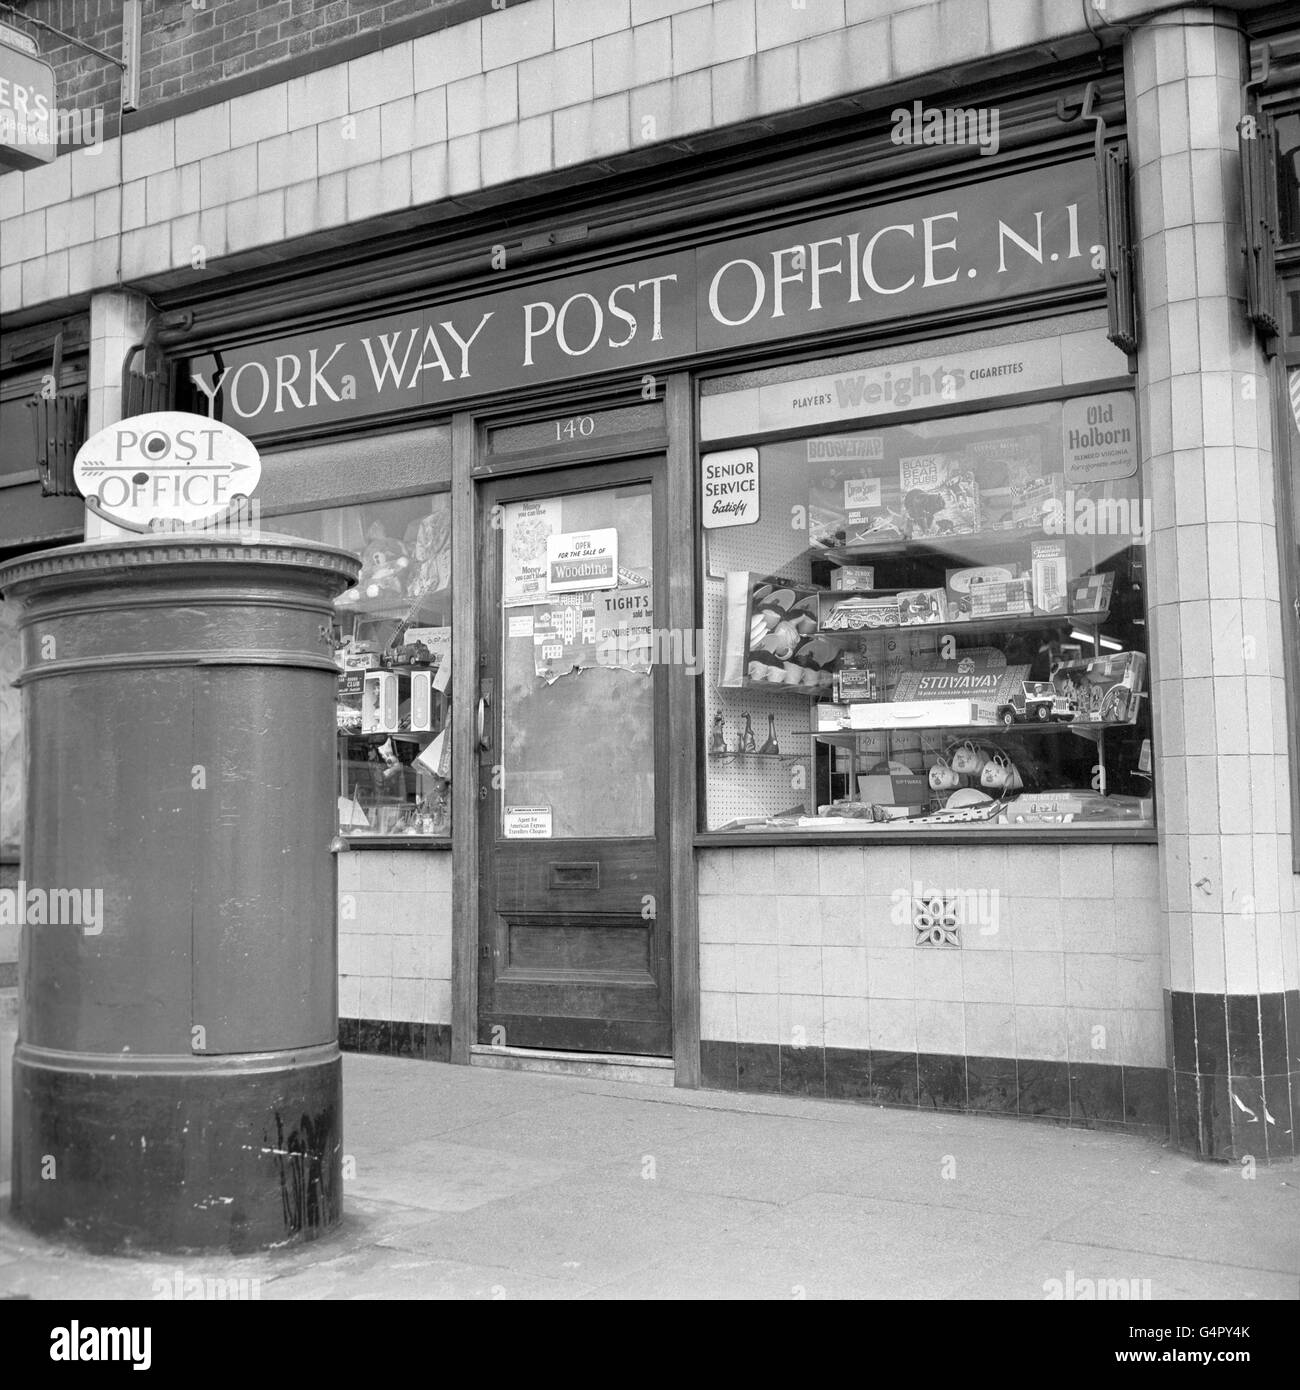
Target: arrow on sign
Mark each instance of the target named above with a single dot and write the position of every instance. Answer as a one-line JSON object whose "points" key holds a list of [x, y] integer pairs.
{"points": [[166, 467]]}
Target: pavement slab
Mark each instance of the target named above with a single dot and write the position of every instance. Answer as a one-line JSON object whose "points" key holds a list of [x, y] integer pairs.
{"points": [[476, 1183]]}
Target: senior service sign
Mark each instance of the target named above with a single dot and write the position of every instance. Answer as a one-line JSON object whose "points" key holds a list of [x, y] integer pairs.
{"points": [[167, 471]]}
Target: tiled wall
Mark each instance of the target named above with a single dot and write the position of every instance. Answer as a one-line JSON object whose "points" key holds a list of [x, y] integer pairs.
{"points": [[543, 85], [1215, 604], [395, 935], [800, 947], [186, 45]]}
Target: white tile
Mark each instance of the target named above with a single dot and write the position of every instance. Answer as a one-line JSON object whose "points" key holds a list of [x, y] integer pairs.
{"points": [[757, 1018], [202, 133], [448, 54], [800, 1018], [915, 35], [48, 184], [781, 22], [430, 117], [630, 58], [258, 115], [488, 99], [577, 20], [348, 142], [520, 32], [516, 151], [382, 76], [756, 968], [718, 968], [94, 168], [147, 150], [718, 34], [464, 171], [844, 971], [940, 1027], [317, 97], [397, 127], [718, 1017], [667, 110]]}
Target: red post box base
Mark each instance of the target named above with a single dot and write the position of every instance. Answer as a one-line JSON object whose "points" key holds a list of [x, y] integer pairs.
{"points": [[178, 1155]]}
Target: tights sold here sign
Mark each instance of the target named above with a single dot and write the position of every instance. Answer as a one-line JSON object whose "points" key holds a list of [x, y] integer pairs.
{"points": [[995, 240]]}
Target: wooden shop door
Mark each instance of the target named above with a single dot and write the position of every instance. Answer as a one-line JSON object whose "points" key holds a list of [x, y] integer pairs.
{"points": [[573, 927]]}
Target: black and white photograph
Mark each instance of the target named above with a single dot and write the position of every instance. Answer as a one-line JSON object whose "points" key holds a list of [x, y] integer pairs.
{"points": [[649, 651]]}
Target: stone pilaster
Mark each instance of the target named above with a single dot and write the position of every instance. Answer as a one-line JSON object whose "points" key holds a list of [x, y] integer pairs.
{"points": [[117, 322], [1227, 889]]}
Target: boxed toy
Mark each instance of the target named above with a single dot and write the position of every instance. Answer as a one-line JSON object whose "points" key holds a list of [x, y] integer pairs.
{"points": [[972, 677], [769, 627], [379, 702], [1049, 568], [919, 606], [1092, 593], [940, 495], [1106, 688], [999, 598], [893, 784], [854, 511], [959, 583], [857, 612], [853, 577], [921, 714]]}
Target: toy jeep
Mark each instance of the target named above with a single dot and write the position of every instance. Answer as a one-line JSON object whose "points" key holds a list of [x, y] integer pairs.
{"points": [[1038, 701]]}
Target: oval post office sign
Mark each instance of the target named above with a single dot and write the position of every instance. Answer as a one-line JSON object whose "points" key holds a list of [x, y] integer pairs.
{"points": [[166, 471]]}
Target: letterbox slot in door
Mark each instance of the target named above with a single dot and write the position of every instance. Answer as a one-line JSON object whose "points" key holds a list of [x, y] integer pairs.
{"points": [[574, 874]]}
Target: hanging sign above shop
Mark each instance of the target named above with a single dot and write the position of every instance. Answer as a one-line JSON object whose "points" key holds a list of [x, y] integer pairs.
{"points": [[1000, 239], [166, 471], [27, 135]]}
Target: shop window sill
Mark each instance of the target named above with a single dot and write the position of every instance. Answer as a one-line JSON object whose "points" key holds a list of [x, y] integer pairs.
{"points": [[341, 845], [1038, 835]]}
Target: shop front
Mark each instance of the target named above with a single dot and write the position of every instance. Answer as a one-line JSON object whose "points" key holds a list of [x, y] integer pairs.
{"points": [[750, 681]]}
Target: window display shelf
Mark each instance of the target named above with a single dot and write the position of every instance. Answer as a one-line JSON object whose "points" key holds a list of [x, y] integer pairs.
{"points": [[1017, 726], [731, 756], [983, 543], [1010, 622]]}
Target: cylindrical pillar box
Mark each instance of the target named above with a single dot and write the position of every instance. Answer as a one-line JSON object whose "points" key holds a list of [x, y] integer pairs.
{"points": [[177, 1080]]}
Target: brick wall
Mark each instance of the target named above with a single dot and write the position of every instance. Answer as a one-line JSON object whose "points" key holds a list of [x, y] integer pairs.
{"points": [[187, 45], [542, 87]]}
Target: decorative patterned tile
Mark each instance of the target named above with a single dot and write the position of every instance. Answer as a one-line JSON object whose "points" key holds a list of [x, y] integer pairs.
{"points": [[937, 919]]}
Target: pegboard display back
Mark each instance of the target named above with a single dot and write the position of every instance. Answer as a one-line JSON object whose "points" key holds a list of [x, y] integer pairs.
{"points": [[740, 787]]}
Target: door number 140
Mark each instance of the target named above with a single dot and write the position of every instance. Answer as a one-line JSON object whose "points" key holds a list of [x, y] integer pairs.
{"points": [[578, 427]]}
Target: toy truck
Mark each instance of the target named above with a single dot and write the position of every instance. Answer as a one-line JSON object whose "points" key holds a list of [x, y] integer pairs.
{"points": [[1037, 702]]}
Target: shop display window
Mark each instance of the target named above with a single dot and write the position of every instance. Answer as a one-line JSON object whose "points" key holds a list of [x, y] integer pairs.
{"points": [[393, 645], [931, 626]]}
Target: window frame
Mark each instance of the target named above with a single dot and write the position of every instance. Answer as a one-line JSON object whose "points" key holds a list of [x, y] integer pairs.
{"points": [[925, 344], [344, 843]]}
